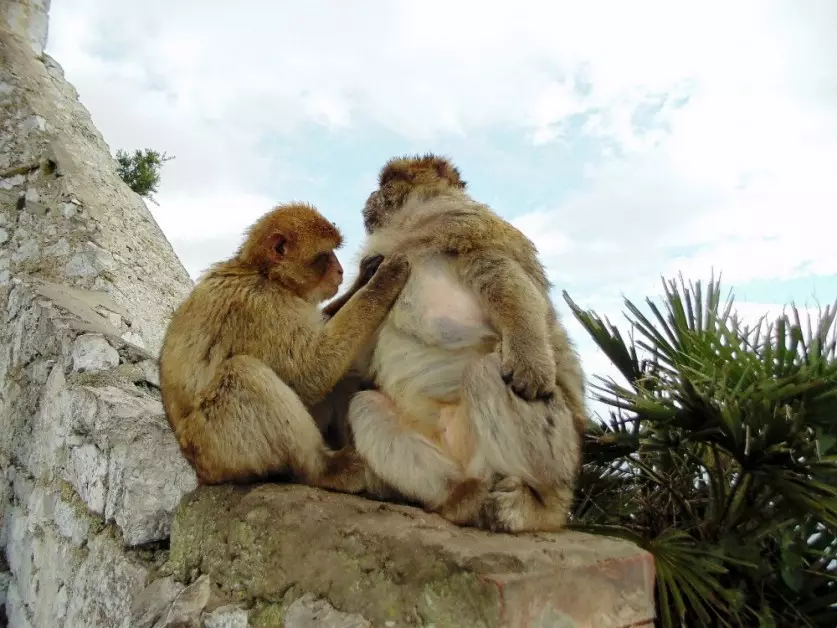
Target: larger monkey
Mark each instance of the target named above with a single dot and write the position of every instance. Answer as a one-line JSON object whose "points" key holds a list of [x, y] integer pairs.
{"points": [[248, 354], [480, 407]]}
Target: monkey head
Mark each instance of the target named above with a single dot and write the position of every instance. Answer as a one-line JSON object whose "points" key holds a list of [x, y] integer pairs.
{"points": [[402, 176], [294, 245]]}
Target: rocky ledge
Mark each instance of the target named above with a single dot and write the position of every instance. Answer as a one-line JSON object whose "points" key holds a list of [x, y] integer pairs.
{"points": [[296, 556]]}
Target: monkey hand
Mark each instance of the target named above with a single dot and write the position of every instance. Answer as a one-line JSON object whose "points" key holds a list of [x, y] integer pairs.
{"points": [[393, 271], [368, 266], [529, 370]]}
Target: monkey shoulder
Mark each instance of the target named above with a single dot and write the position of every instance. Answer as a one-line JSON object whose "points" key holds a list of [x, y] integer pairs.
{"points": [[471, 233]]}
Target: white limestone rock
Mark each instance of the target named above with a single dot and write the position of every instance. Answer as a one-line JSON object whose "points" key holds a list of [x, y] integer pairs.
{"points": [[229, 616], [43, 566], [104, 586], [92, 352], [185, 611], [15, 609], [88, 465], [149, 605], [28, 18], [5, 577], [69, 524], [147, 476], [308, 611]]}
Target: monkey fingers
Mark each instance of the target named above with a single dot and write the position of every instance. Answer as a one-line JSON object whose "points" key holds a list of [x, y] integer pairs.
{"points": [[368, 266], [529, 373]]}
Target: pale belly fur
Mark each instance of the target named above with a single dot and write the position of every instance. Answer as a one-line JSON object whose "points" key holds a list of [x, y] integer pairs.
{"points": [[434, 329]]}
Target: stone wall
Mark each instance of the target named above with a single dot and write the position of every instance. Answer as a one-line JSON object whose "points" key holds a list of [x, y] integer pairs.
{"points": [[90, 474], [89, 469]]}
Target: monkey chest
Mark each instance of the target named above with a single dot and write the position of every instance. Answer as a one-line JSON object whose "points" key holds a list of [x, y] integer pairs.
{"points": [[434, 329], [438, 311]]}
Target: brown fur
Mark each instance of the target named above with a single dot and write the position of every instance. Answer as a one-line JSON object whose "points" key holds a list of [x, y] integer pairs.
{"points": [[248, 354], [474, 316]]}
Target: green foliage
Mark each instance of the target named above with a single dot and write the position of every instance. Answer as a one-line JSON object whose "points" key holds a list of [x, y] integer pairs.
{"points": [[720, 458], [141, 170]]}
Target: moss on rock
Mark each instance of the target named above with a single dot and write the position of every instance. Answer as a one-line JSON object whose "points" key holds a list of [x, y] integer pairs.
{"points": [[265, 545]]}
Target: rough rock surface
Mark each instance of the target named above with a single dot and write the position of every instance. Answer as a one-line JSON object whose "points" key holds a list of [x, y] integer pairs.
{"points": [[229, 616], [89, 469], [277, 548]]}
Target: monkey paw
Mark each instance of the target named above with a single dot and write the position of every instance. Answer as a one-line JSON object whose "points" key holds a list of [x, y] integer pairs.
{"points": [[368, 266], [394, 268], [346, 471], [531, 374], [508, 505], [513, 506]]}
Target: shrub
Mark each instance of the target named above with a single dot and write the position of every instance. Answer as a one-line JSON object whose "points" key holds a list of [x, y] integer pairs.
{"points": [[141, 170], [719, 457]]}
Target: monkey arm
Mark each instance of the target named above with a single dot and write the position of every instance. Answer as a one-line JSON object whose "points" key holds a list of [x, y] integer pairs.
{"points": [[519, 310], [344, 336], [334, 306]]}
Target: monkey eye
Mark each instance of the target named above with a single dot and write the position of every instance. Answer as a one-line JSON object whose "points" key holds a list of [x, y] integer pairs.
{"points": [[321, 261]]}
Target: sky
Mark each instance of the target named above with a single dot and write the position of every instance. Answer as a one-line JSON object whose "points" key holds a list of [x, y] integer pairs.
{"points": [[630, 141]]}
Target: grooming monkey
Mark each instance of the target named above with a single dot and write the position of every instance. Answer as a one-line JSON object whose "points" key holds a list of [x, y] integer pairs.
{"points": [[331, 414], [479, 410], [248, 353]]}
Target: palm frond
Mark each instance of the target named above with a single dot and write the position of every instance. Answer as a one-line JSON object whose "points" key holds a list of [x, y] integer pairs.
{"points": [[719, 457]]}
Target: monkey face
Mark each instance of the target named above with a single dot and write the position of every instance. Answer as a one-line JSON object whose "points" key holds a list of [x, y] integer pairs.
{"points": [[315, 277], [294, 245], [326, 276]]}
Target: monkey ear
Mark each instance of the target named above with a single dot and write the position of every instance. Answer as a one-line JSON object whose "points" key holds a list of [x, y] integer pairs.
{"points": [[279, 243], [445, 170]]}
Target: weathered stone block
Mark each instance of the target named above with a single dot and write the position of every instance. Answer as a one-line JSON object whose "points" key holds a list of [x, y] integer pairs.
{"points": [[92, 352], [103, 586], [309, 611], [30, 18], [88, 465], [229, 617], [147, 476], [388, 563], [185, 611], [148, 605]]}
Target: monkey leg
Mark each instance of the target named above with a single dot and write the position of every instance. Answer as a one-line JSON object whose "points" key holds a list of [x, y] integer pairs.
{"points": [[532, 445], [251, 425], [411, 462]]}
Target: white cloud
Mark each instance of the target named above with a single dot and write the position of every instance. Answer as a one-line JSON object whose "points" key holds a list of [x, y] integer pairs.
{"points": [[742, 179], [732, 169], [420, 69]]}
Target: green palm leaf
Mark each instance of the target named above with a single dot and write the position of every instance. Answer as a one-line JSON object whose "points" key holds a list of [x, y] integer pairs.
{"points": [[719, 457]]}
